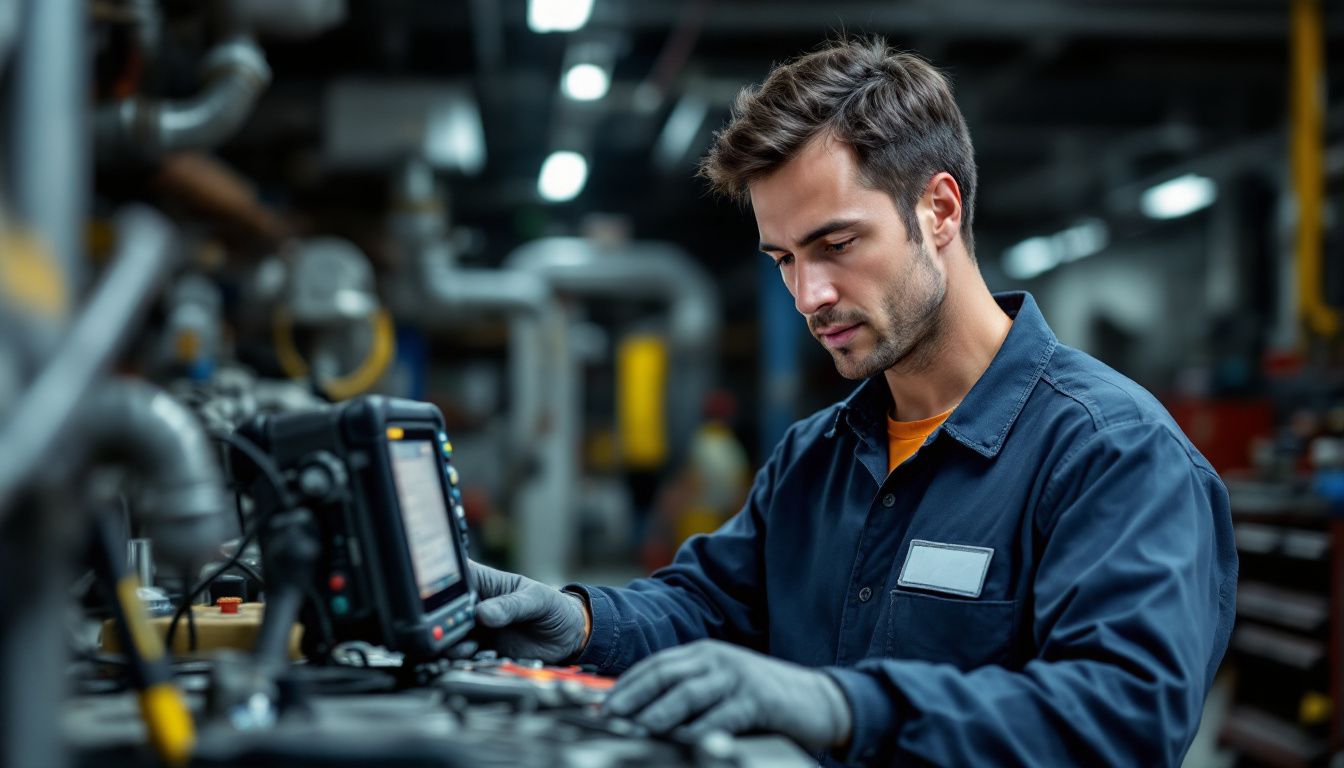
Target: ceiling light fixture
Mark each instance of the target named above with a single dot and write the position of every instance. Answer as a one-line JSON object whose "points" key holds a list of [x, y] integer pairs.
{"points": [[1178, 197], [585, 82], [562, 176], [1038, 255], [558, 15]]}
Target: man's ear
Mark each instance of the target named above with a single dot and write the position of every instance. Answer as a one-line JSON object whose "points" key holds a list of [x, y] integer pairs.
{"points": [[942, 199]]}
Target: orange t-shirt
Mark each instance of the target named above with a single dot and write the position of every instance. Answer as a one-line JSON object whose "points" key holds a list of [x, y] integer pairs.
{"points": [[905, 437]]}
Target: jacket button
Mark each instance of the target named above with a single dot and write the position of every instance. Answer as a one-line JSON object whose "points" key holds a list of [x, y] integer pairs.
{"points": [[889, 500], [864, 594]]}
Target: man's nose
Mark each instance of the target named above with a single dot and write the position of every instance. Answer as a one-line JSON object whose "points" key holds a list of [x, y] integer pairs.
{"points": [[813, 289]]}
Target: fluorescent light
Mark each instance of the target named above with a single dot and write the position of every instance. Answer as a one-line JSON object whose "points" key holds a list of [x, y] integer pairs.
{"points": [[1037, 255], [586, 82], [1082, 239], [562, 176], [1030, 258], [1181, 196], [558, 15]]}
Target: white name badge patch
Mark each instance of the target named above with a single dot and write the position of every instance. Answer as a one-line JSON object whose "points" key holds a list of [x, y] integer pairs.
{"points": [[952, 568]]}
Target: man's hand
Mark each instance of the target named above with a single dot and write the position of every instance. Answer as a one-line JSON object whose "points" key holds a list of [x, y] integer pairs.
{"points": [[526, 619], [710, 685]]}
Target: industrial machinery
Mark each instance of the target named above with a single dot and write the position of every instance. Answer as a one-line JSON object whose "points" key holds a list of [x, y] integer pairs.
{"points": [[363, 540], [192, 376]]}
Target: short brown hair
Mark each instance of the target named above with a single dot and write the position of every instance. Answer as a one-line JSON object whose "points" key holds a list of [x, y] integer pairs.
{"points": [[893, 108]]}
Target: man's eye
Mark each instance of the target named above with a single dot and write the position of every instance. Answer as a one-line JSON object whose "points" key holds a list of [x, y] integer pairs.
{"points": [[841, 246], [784, 261]]}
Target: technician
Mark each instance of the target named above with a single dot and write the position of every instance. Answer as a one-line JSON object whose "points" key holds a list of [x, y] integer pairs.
{"points": [[996, 550]]}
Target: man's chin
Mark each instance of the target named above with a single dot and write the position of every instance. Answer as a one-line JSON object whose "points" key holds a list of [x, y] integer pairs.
{"points": [[851, 366]]}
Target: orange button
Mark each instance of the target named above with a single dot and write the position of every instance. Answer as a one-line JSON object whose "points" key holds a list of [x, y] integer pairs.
{"points": [[229, 604], [336, 581], [437, 632]]}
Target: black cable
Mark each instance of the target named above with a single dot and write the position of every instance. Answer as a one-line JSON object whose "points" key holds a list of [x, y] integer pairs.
{"points": [[238, 504], [190, 597], [323, 620], [277, 483], [261, 461]]}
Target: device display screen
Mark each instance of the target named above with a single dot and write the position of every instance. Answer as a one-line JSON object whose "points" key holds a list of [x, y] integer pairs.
{"points": [[429, 534]]}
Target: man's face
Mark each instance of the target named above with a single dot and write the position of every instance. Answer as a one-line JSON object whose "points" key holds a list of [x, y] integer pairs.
{"points": [[870, 295]]}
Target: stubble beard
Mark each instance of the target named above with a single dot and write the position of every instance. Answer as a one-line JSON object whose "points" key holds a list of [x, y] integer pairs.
{"points": [[913, 311]]}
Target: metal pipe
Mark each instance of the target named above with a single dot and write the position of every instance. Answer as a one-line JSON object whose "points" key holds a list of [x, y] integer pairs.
{"points": [[46, 410], [433, 292], [180, 497], [641, 270], [148, 27], [33, 640], [540, 411], [10, 16], [49, 176], [236, 74], [629, 270], [455, 291], [292, 18], [634, 270]]}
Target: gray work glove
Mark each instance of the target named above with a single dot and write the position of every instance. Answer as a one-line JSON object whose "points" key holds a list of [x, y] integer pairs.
{"points": [[711, 685], [526, 619]]}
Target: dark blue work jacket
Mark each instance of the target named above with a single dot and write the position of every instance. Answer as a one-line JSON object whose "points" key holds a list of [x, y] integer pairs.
{"points": [[1102, 613]]}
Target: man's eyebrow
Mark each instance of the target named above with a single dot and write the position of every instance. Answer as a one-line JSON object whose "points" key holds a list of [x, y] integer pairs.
{"points": [[834, 225]]}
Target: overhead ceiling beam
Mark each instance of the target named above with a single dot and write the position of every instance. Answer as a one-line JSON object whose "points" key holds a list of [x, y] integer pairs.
{"points": [[1024, 19]]}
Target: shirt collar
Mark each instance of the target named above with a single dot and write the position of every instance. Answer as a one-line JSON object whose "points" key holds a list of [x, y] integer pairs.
{"points": [[987, 413]]}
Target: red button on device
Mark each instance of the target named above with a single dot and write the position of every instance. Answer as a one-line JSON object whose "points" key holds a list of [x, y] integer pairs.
{"points": [[336, 581], [437, 632]]}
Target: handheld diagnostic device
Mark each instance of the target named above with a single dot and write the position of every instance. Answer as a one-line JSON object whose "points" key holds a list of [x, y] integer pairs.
{"points": [[376, 475]]}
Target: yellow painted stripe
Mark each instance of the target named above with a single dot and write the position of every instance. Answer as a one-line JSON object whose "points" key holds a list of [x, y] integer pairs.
{"points": [[1307, 154]]}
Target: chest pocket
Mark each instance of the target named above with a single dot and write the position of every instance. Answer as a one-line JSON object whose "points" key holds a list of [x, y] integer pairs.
{"points": [[964, 633]]}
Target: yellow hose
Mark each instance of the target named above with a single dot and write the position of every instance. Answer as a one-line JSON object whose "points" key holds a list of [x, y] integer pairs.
{"points": [[346, 386]]}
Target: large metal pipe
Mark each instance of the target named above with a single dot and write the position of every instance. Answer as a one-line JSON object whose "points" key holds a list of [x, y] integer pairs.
{"points": [[292, 18], [639, 270], [541, 403], [148, 27], [46, 410], [236, 73], [48, 159], [33, 640], [179, 496], [434, 292]]}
